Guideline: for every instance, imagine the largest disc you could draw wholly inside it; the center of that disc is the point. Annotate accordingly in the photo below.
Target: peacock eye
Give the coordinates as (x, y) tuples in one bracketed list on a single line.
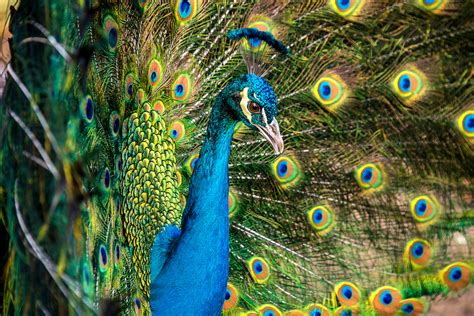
[(254, 107)]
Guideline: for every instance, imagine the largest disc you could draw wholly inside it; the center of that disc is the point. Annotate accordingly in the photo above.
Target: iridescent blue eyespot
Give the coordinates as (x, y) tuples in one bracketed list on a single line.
[(346, 312), (257, 267), (343, 4), (269, 313), (89, 109), (318, 216), (386, 298), (138, 306), (370, 176), (185, 8), (413, 306), (325, 90), (282, 168), (105, 180), (408, 309), (417, 249), (468, 123), (367, 174), (420, 207), (231, 298), (113, 37), (193, 163), (455, 274), (179, 90), (114, 123), (317, 310), (347, 292), (103, 255), (103, 258), (111, 32), (117, 253), (153, 76), (404, 83)]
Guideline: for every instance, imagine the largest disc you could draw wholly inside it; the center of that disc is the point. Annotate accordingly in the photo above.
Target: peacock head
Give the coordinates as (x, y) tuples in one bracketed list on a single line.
[(255, 103), (253, 99)]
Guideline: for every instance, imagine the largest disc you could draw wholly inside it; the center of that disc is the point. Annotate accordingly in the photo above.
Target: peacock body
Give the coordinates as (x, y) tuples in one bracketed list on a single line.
[(133, 180)]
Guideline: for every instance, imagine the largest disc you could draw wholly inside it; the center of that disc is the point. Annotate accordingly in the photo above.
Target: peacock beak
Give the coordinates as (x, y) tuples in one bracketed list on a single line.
[(271, 132)]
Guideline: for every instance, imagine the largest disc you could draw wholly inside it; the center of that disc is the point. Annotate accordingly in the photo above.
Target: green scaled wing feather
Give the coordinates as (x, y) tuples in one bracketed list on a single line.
[(368, 210)]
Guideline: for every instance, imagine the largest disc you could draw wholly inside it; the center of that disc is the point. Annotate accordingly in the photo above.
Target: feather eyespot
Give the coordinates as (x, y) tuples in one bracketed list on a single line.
[(369, 176), (232, 202), (432, 5), (259, 269), (103, 260), (177, 131), (264, 25), (417, 252), (343, 311), (317, 310), (412, 306), (254, 107), (231, 298), (409, 84), (191, 163), (456, 276), (129, 88), (137, 304), (330, 90), (286, 171), (144, 4), (466, 124), (111, 31), (114, 123), (181, 88), (185, 10), (118, 165), (347, 293), (386, 300), (106, 179), (346, 8), (424, 208), (269, 310), (87, 109), (321, 219), (155, 73), (117, 254)]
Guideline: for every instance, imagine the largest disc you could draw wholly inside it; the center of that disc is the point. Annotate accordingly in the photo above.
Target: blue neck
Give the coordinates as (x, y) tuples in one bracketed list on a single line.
[(194, 276), (211, 170)]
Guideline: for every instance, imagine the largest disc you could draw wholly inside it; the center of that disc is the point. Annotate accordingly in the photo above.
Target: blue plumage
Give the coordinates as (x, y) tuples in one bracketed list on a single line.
[(193, 276)]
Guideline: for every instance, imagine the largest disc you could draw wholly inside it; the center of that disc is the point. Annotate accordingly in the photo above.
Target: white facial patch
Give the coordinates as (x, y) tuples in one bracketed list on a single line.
[(244, 101), (264, 115)]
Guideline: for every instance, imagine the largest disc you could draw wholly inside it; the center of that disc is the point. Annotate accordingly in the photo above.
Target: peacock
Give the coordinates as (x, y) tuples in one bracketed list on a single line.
[(210, 157)]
